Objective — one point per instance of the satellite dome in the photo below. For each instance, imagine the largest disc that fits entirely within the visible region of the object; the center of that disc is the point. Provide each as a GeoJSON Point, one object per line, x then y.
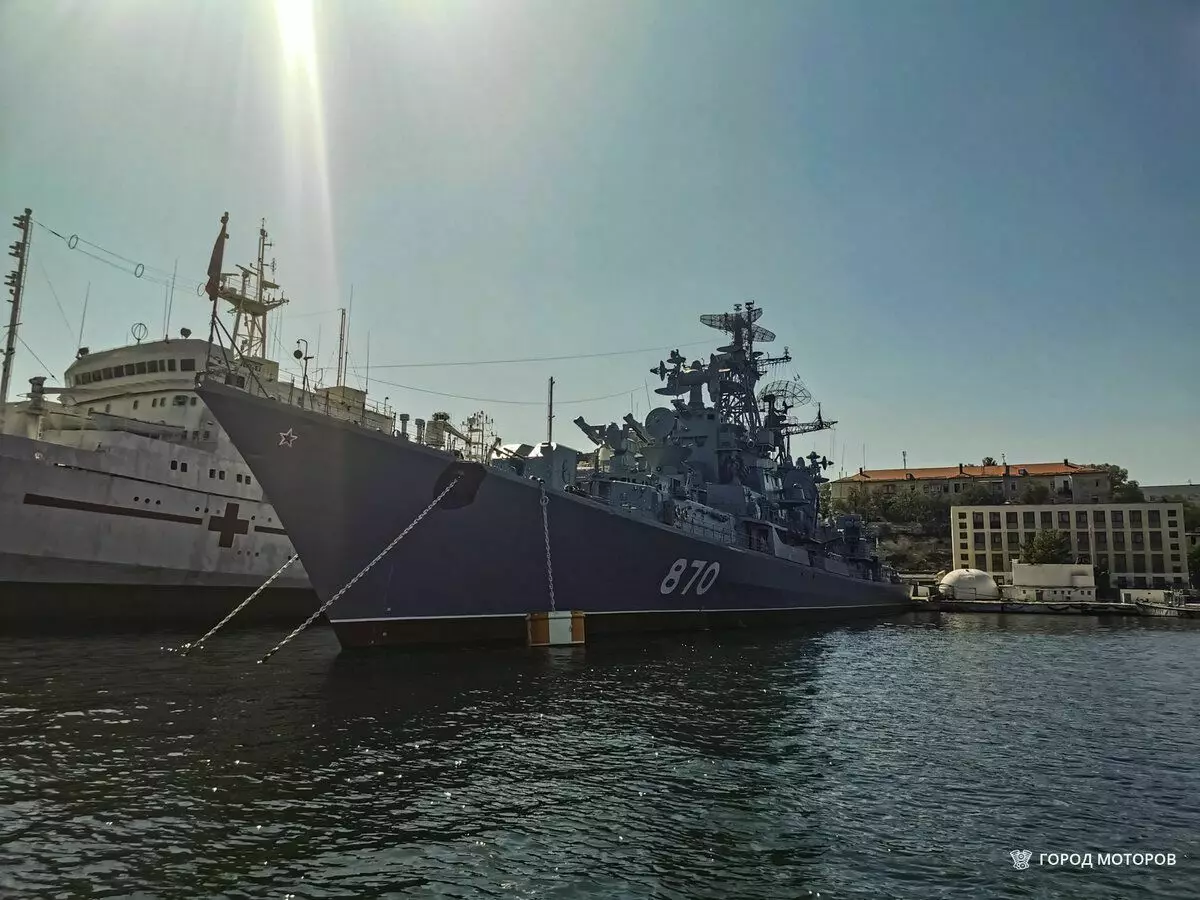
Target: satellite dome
{"type": "Point", "coordinates": [969, 584]}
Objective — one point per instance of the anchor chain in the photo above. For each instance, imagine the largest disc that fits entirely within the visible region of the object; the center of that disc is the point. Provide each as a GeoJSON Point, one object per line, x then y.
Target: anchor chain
{"type": "Point", "coordinates": [546, 530]}
{"type": "Point", "coordinates": [186, 648]}
{"type": "Point", "coordinates": [365, 569]}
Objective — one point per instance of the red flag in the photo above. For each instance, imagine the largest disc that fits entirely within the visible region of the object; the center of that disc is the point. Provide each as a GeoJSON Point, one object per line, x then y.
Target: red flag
{"type": "Point", "coordinates": [214, 264]}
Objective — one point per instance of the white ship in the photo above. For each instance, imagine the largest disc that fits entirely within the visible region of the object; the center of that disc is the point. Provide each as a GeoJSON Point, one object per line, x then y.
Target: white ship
{"type": "Point", "coordinates": [126, 480]}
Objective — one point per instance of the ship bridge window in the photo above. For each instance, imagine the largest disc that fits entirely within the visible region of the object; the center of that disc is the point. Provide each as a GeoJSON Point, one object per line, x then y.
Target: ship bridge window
{"type": "Point", "coordinates": [174, 464]}
{"type": "Point", "coordinates": [129, 369]}
{"type": "Point", "coordinates": [241, 381]}
{"type": "Point", "coordinates": [106, 373]}
{"type": "Point", "coordinates": [180, 400]}
{"type": "Point", "coordinates": [187, 365]}
{"type": "Point", "coordinates": [192, 401]}
{"type": "Point", "coordinates": [170, 365]}
{"type": "Point", "coordinates": [141, 368]}
{"type": "Point", "coordinates": [221, 475]}
{"type": "Point", "coordinates": [152, 365]}
{"type": "Point", "coordinates": [247, 479]}
{"type": "Point", "coordinates": [239, 478]}
{"type": "Point", "coordinates": [183, 467]}
{"type": "Point", "coordinates": [135, 404]}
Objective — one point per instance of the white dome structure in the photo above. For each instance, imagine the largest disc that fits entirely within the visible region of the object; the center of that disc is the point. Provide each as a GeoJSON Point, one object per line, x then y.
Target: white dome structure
{"type": "Point", "coordinates": [969, 584]}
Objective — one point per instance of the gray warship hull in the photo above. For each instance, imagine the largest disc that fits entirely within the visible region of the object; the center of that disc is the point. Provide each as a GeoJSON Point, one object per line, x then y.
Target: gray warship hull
{"type": "Point", "coordinates": [478, 563]}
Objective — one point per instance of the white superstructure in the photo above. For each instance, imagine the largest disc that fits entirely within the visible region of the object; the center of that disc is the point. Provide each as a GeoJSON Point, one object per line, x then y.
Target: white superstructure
{"type": "Point", "coordinates": [125, 478]}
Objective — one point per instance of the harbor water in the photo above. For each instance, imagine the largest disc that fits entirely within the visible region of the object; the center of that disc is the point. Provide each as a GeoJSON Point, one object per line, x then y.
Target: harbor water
{"type": "Point", "coordinates": [902, 759]}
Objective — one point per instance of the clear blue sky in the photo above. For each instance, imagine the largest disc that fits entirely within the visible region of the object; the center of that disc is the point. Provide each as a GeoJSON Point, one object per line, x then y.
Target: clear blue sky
{"type": "Point", "coordinates": [975, 224]}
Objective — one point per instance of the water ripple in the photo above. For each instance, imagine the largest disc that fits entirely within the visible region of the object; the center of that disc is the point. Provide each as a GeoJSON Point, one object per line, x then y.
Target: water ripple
{"type": "Point", "coordinates": [901, 760]}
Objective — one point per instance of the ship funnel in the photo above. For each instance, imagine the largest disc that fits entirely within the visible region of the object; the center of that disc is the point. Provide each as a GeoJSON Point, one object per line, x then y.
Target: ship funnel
{"type": "Point", "coordinates": [404, 426]}
{"type": "Point", "coordinates": [420, 426]}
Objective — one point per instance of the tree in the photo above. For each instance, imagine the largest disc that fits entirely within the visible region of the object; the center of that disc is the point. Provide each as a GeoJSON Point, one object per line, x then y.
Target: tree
{"type": "Point", "coordinates": [1123, 489]}
{"type": "Point", "coordinates": [1047, 547]}
{"type": "Point", "coordinates": [978, 495]}
{"type": "Point", "coordinates": [989, 461]}
{"type": "Point", "coordinates": [1035, 494]}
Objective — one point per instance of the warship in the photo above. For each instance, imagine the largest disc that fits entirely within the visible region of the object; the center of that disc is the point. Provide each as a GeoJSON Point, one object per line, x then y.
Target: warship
{"type": "Point", "coordinates": [696, 517]}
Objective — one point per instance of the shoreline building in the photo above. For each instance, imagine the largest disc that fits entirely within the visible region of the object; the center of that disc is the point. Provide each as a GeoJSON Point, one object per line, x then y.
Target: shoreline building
{"type": "Point", "coordinates": [1139, 544]}
{"type": "Point", "coordinates": [1065, 482]}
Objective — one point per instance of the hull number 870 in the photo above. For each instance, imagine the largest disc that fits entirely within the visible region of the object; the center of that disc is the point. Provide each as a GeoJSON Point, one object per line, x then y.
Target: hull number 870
{"type": "Point", "coordinates": [698, 573]}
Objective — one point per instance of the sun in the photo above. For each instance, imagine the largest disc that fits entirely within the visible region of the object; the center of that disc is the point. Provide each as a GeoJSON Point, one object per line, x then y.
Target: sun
{"type": "Point", "coordinates": [297, 36]}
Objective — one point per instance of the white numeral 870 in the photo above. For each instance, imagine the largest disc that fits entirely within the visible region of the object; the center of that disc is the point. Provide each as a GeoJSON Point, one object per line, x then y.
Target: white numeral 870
{"type": "Point", "coordinates": [707, 576]}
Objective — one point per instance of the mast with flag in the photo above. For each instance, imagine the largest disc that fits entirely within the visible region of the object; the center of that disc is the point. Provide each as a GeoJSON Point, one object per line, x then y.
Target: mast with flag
{"type": "Point", "coordinates": [213, 286]}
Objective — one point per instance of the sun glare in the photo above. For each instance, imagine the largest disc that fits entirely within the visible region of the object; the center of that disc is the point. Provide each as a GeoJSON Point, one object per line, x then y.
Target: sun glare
{"type": "Point", "coordinates": [305, 158]}
{"type": "Point", "coordinates": [297, 36]}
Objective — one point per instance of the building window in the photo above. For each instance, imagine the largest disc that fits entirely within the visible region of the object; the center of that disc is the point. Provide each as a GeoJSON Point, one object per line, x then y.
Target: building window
{"type": "Point", "coordinates": [1156, 540]}
{"type": "Point", "coordinates": [997, 562]}
{"type": "Point", "coordinates": [1139, 562]}
{"type": "Point", "coordinates": [997, 540]}
{"type": "Point", "coordinates": [1064, 520]}
{"type": "Point", "coordinates": [1119, 563]}
{"type": "Point", "coordinates": [977, 520]}
{"type": "Point", "coordinates": [1118, 518]}
{"type": "Point", "coordinates": [1010, 520]}
{"type": "Point", "coordinates": [1155, 518]}
{"type": "Point", "coordinates": [980, 540]}
{"type": "Point", "coordinates": [1118, 540]}
{"type": "Point", "coordinates": [1028, 519]}
{"type": "Point", "coordinates": [1175, 557]}
{"type": "Point", "coordinates": [1081, 518]}
{"type": "Point", "coordinates": [1047, 520]}
{"type": "Point", "coordinates": [1102, 561]}
{"type": "Point", "coordinates": [187, 365]}
{"type": "Point", "coordinates": [962, 546]}
{"type": "Point", "coordinates": [981, 561]}
{"type": "Point", "coordinates": [962, 513]}
{"type": "Point", "coordinates": [1101, 540]}
{"type": "Point", "coordinates": [1014, 540]}
{"type": "Point", "coordinates": [1139, 539]}
{"type": "Point", "coordinates": [1135, 518]}
{"type": "Point", "coordinates": [964, 558]}
{"type": "Point", "coordinates": [1081, 540]}
{"type": "Point", "coordinates": [1156, 563]}
{"type": "Point", "coordinates": [1098, 517]}
{"type": "Point", "coordinates": [1174, 534]}
{"type": "Point", "coordinates": [994, 520]}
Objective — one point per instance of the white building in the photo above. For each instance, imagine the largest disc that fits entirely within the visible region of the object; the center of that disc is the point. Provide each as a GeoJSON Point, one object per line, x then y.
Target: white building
{"type": "Point", "coordinates": [1138, 544]}
{"type": "Point", "coordinates": [1051, 583]}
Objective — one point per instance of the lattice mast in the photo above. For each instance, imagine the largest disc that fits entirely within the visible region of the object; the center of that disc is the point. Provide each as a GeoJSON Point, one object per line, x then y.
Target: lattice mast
{"type": "Point", "coordinates": [251, 295]}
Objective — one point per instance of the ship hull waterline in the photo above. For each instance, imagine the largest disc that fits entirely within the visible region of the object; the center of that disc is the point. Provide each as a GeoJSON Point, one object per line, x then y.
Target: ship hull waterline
{"type": "Point", "coordinates": [476, 565]}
